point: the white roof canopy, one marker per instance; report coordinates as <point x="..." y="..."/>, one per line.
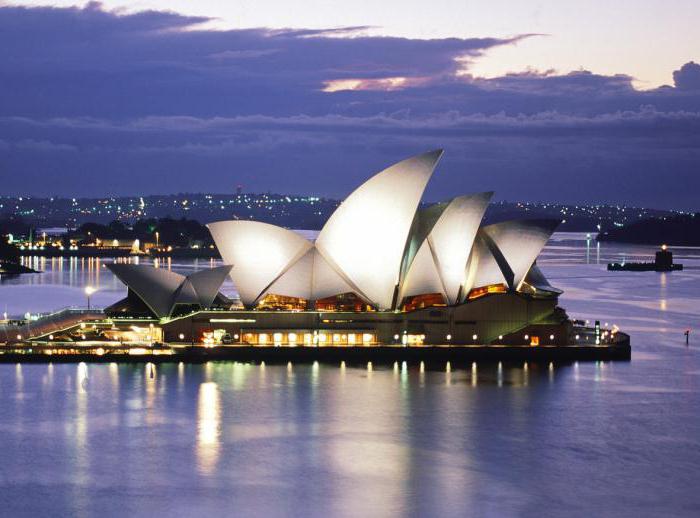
<point x="161" y="290"/>
<point x="378" y="245"/>
<point x="366" y="236"/>
<point x="259" y="253"/>
<point x="441" y="262"/>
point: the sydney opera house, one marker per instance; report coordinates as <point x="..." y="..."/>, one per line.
<point x="383" y="270"/>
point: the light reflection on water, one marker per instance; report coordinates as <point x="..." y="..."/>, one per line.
<point x="208" y="427"/>
<point x="586" y="439"/>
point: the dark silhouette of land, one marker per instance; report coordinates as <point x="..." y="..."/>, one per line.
<point x="682" y="230"/>
<point x="9" y="260"/>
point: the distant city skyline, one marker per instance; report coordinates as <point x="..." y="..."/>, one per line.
<point x="561" y="101"/>
<point x="291" y="211"/>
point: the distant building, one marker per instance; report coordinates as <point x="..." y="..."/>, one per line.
<point x="52" y="231"/>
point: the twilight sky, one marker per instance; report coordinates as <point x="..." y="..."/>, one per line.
<point x="544" y="100"/>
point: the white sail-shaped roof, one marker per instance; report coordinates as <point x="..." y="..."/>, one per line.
<point x="520" y="242"/>
<point x="311" y="278"/>
<point x="162" y="289"/>
<point x="327" y="281"/>
<point x="504" y="252"/>
<point x="442" y="258"/>
<point x="482" y="269"/>
<point x="296" y="281"/>
<point x="536" y="279"/>
<point x="259" y="252"/>
<point x="366" y="236"/>
<point x="380" y="247"/>
<point x="206" y="283"/>
<point x="186" y="294"/>
<point x="423" y="223"/>
<point x="155" y="286"/>
<point x="452" y="237"/>
<point x="423" y="276"/>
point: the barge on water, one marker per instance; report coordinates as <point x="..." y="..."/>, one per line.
<point x="663" y="262"/>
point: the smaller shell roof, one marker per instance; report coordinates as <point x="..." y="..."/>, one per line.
<point x="518" y="243"/>
<point x="161" y="290"/>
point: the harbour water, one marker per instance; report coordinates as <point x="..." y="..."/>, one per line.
<point x="588" y="439"/>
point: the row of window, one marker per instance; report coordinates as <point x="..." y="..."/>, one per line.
<point x="351" y="302"/>
<point x="315" y="338"/>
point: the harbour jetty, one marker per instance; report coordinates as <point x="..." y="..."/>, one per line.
<point x="616" y="349"/>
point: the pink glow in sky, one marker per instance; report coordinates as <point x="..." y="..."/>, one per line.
<point x="645" y="39"/>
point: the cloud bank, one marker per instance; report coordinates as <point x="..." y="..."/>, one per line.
<point x="94" y="102"/>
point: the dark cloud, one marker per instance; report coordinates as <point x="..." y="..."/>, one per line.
<point x="688" y="77"/>
<point x="89" y="61"/>
<point x="97" y="102"/>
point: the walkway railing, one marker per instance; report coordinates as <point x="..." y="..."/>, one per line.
<point x="49" y="323"/>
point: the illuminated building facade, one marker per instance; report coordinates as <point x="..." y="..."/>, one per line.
<point x="381" y="271"/>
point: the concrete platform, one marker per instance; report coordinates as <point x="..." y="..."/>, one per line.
<point x="618" y="350"/>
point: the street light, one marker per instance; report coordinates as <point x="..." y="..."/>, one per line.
<point x="89" y="290"/>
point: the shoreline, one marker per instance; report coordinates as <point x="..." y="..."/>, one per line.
<point x="185" y="253"/>
<point x="10" y="268"/>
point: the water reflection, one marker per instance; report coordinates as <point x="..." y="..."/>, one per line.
<point x="114" y="377"/>
<point x="588" y="249"/>
<point x="47" y="380"/>
<point x="415" y="439"/>
<point x="78" y="437"/>
<point x="525" y="374"/>
<point x="262" y="377"/>
<point x="411" y="439"/>
<point x="150" y="384"/>
<point x="208" y="427"/>
<point x="180" y="376"/>
<point x="19" y="379"/>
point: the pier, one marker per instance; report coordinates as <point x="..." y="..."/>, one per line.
<point x="615" y="348"/>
